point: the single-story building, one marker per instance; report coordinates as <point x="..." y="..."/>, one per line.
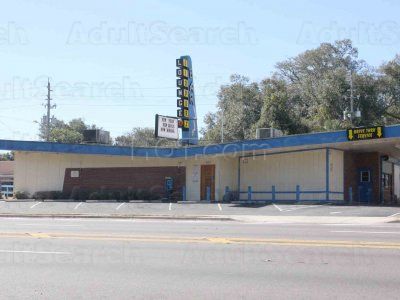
<point x="326" y="166"/>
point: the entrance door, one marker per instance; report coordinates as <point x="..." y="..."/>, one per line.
<point x="364" y="185"/>
<point x="207" y="182"/>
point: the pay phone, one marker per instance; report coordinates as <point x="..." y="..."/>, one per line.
<point x="169" y="187"/>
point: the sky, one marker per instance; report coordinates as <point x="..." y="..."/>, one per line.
<point x="112" y="63"/>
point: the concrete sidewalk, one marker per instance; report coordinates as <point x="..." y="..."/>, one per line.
<point x="232" y="218"/>
<point x="275" y="213"/>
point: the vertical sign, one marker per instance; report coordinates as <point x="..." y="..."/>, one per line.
<point x="186" y="102"/>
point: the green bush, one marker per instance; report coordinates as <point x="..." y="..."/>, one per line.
<point x="104" y="195"/>
<point x="132" y="195"/>
<point x="94" y="196"/>
<point x="124" y="196"/>
<point x="78" y="194"/>
<point x="145" y="195"/>
<point x="83" y="195"/>
<point x="117" y="195"/>
<point x="74" y="194"/>
<point x="42" y="195"/>
<point x="21" y="195"/>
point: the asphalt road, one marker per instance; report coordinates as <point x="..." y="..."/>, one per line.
<point x="185" y="209"/>
<point x="148" y="259"/>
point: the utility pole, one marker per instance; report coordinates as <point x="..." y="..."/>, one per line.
<point x="351" y="97"/>
<point x="222" y="125"/>
<point x="49" y="107"/>
<point x="350" y="115"/>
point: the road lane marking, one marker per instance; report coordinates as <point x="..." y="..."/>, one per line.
<point x="41" y="224"/>
<point x="119" y="206"/>
<point x="34" y="252"/>
<point x="170" y="206"/>
<point x="218" y="240"/>
<point x="79" y="204"/>
<point x="210" y="240"/>
<point x="359" y="231"/>
<point x="39" y="235"/>
<point x="393" y="215"/>
<point x="302" y="207"/>
<point x="335" y="212"/>
<point x="35" y="204"/>
<point x="277" y="207"/>
<point x="219" y="207"/>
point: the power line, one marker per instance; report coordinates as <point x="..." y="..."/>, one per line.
<point x="106" y="96"/>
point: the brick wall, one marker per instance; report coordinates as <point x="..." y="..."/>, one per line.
<point x="352" y="162"/>
<point x="123" y="179"/>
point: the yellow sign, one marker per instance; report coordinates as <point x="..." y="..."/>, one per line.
<point x="182" y="62"/>
<point x="365" y="133"/>
<point x="182" y="93"/>
<point x="182" y="83"/>
<point x="182" y="73"/>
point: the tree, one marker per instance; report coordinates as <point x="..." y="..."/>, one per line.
<point x="142" y="137"/>
<point x="66" y="135"/>
<point x="389" y="90"/>
<point x="8" y="156"/>
<point x="61" y="132"/>
<point x="275" y="112"/>
<point x="239" y="107"/>
<point x="318" y="79"/>
<point x="308" y="92"/>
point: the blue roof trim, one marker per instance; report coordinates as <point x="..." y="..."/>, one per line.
<point x="228" y="148"/>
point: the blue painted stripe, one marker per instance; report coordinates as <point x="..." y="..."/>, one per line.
<point x="294" y="200"/>
<point x="290" y="192"/>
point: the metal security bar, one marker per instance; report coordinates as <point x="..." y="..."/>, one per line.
<point x="298" y="195"/>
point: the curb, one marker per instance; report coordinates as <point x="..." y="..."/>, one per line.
<point x="148" y="217"/>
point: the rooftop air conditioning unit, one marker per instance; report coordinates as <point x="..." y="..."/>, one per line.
<point x="96" y="136"/>
<point x="266" y="133"/>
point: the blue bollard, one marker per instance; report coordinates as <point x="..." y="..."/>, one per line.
<point x="249" y="193"/>
<point x="273" y="194"/>
<point x="297" y="193"/>
<point x="226" y="195"/>
<point x="226" y="190"/>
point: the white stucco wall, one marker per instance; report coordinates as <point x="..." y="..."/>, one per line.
<point x="40" y="171"/>
<point x="336" y="174"/>
<point x="287" y="170"/>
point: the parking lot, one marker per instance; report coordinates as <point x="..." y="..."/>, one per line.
<point x="188" y="209"/>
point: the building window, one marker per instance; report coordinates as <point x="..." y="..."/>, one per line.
<point x="365" y="176"/>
